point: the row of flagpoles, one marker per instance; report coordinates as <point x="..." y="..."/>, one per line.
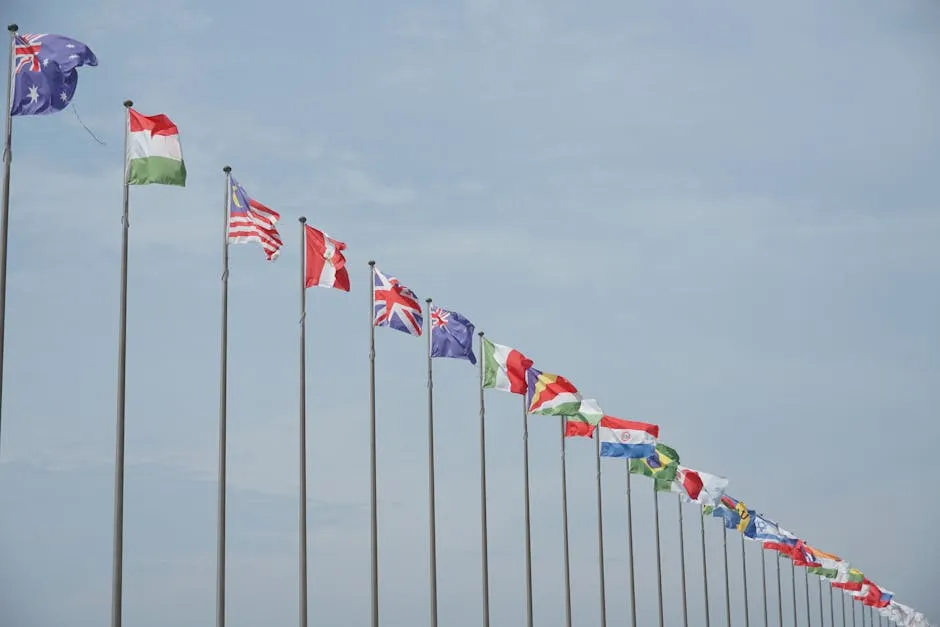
<point x="153" y="155"/>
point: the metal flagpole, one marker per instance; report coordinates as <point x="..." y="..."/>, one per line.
<point x="564" y="526"/>
<point x="779" y="595"/>
<point x="763" y="585"/>
<point x="602" y="580"/>
<point x="659" y="561"/>
<point x="724" y="541"/>
<point x="822" y="615"/>
<point x="705" y="570"/>
<point x="685" y="602"/>
<point x="374" y="523"/>
<point x="852" y="605"/>
<point x="303" y="422"/>
<point x="630" y="547"/>
<point x="843" y="611"/>
<point x="747" y="611"/>
<point x="223" y="401"/>
<point x="117" y="572"/>
<point x="5" y="216"/>
<point x="528" y="523"/>
<point x="809" y="614"/>
<point x="832" y="609"/>
<point x="484" y="548"/>
<point x="793" y="589"/>
<point x="432" y="520"/>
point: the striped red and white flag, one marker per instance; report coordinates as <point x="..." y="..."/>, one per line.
<point x="250" y="221"/>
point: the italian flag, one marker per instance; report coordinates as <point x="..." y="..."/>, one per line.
<point x="153" y="151"/>
<point x="504" y="368"/>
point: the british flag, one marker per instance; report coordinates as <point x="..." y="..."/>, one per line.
<point x="395" y="305"/>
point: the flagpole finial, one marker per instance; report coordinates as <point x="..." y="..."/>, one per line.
<point x="13" y="28"/>
<point x="480" y="333"/>
<point x="227" y="169"/>
<point x="302" y="219"/>
<point x="427" y="300"/>
<point x="128" y="103"/>
<point x="371" y="264"/>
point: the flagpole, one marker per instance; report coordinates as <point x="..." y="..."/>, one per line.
<point x="809" y="619"/>
<point x="705" y="569"/>
<point x="747" y="612"/>
<point x="630" y="547"/>
<point x="303" y="422"/>
<point x="432" y="519"/>
<point x="822" y="612"/>
<point x="843" y="612"/>
<point x="117" y="570"/>
<point x="763" y="585"/>
<point x="602" y="579"/>
<point x="483" y="542"/>
<point x="832" y="609"/>
<point x="659" y="561"/>
<point x="5" y="218"/>
<point x="373" y="503"/>
<point x="852" y="605"/>
<point x="779" y="594"/>
<point x="564" y="526"/>
<point x="793" y="589"/>
<point x="223" y="400"/>
<point x="528" y="523"/>
<point x="724" y="540"/>
<point x="685" y="602"/>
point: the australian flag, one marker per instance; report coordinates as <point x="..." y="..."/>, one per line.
<point x="44" y="72"/>
<point x="451" y="335"/>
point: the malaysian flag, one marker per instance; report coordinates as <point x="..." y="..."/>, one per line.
<point x="396" y="306"/>
<point x="250" y="221"/>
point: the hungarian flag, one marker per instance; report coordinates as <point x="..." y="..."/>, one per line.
<point x="504" y="368"/>
<point x="153" y="151"/>
<point x="325" y="265"/>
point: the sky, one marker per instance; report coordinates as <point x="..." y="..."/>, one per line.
<point x="721" y="219"/>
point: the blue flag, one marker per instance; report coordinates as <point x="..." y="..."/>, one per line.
<point x="451" y="335"/>
<point x="45" y="75"/>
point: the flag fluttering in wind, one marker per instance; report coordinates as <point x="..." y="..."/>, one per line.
<point x="250" y="221"/>
<point x="627" y="438"/>
<point x="850" y="581"/>
<point x="45" y="73"/>
<point x="661" y="466"/>
<point x="396" y="306"/>
<point x="551" y="394"/>
<point x="699" y="487"/>
<point x="504" y="368"/>
<point x="154" y="154"/>
<point x="735" y="514"/>
<point x="451" y="335"/>
<point x="324" y="263"/>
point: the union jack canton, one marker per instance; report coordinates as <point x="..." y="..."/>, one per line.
<point x="396" y="306"/>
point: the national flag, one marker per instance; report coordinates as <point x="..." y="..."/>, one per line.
<point x="44" y="72"/>
<point x="396" y="306"/>
<point x="850" y="581"/>
<point x="250" y="221"/>
<point x="451" y="335"/>
<point x="661" y="466"/>
<point x="504" y="368"/>
<point x="699" y="487"/>
<point x="829" y="564"/>
<point x="734" y="513"/>
<point x="551" y="394"/>
<point x="154" y="154"/>
<point x="583" y="421"/>
<point x="770" y="534"/>
<point x="803" y="555"/>
<point x="626" y="438"/>
<point x="325" y="265"/>
<point x="578" y="428"/>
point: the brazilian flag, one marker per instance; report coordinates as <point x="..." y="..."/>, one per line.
<point x="661" y="466"/>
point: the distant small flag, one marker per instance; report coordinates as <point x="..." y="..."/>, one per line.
<point x="250" y="221"/>
<point x="44" y="71"/>
<point x="396" y="306"/>
<point x="154" y="154"/>
<point x="325" y="264"/>
<point x="451" y="335"/>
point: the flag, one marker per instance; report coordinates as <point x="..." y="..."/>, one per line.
<point x="735" y="514"/>
<point x="153" y="151"/>
<point x="325" y="264"/>
<point x="851" y="580"/>
<point x="44" y="72"/>
<point x="770" y="534"/>
<point x="578" y="428"/>
<point x="451" y="335"/>
<point x="802" y="555"/>
<point x="699" y="487"/>
<point x="250" y="221"/>
<point x="551" y="394"/>
<point x="396" y="306"/>
<point x="504" y="368"/>
<point x="588" y="413"/>
<point x="661" y="466"/>
<point x="626" y="438"/>
<point x="829" y="564"/>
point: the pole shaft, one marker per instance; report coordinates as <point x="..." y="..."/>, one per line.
<point x="484" y="549"/>
<point x="747" y="611"/>
<point x="793" y="589"/>
<point x="432" y="518"/>
<point x="832" y="608"/>
<point x="852" y="605"/>
<point x="705" y="569"/>
<point x="5" y="211"/>
<point x="223" y="415"/>
<point x="724" y="543"/>
<point x="843" y="610"/>
<point x="779" y="594"/>
<point x="566" y="557"/>
<point x="630" y="547"/>
<point x="809" y="619"/>
<point x="659" y="560"/>
<point x="303" y="424"/>
<point x="373" y="496"/>
<point x="763" y="586"/>
<point x="685" y="602"/>
<point x="822" y="614"/>
<point x="528" y="523"/>
<point x="117" y="571"/>
<point x="601" y="574"/>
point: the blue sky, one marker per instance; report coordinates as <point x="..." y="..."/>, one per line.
<point x="720" y="219"/>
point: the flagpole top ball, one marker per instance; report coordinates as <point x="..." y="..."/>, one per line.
<point x="227" y="169"/>
<point x="480" y="333"/>
<point x="427" y="300"/>
<point x="13" y="28"/>
<point x="128" y="103"/>
<point x="371" y="263"/>
<point x="302" y="219"/>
